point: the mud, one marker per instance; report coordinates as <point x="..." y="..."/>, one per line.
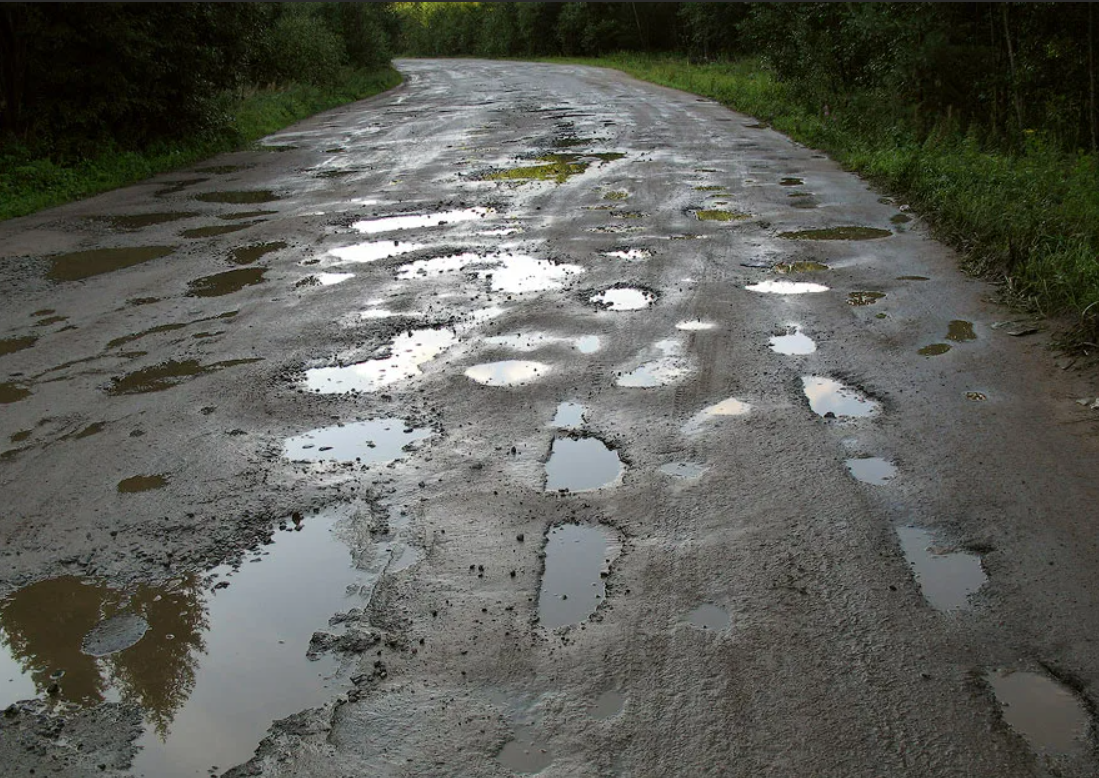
<point x="239" y="197"/>
<point x="230" y="281"/>
<point x="140" y="220"/>
<point x="247" y="255"/>
<point x="11" y="345"/>
<point x="837" y="233"/>
<point x="141" y="483"/>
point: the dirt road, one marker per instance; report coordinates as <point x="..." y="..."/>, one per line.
<point x="596" y="430"/>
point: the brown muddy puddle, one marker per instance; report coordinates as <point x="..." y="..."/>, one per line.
<point x="569" y="415"/>
<point x="122" y="340"/>
<point x="78" y="265"/>
<point x="684" y="470"/>
<point x="138" y="220"/>
<point x="934" y="350"/>
<point x="221" y="170"/>
<point x="167" y="374"/>
<point x="793" y="343"/>
<point x="837" y="233"/>
<point x="578" y="559"/>
<point x="947" y="578"/>
<point x="858" y="299"/>
<point x="831" y="399"/>
<point x="717" y="215"/>
<point x="871" y="470"/>
<point x="509" y="372"/>
<point x="790" y="181"/>
<point x="1046" y="713"/>
<point x="50" y="320"/>
<point x="225" y="283"/>
<point x="786" y="287"/>
<point x="608" y="705"/>
<point x="525" y="754"/>
<point x="407" y="352"/>
<point x="711" y="617"/>
<point x="913" y="278"/>
<point x="214" y="230"/>
<point x="142" y="483"/>
<point x="582" y="463"/>
<point x="800" y="267"/>
<point x="209" y="668"/>
<point x="11" y="345"/>
<point x="623" y="299"/>
<point x="363" y="442"/>
<point x="239" y="197"/>
<point x="246" y="255"/>
<point x="11" y="392"/>
<point x="244" y="215"/>
<point x="960" y="331"/>
<point x="420" y="221"/>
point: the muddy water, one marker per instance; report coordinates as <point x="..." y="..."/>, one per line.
<point x="246" y="255"/>
<point x="830" y="398"/>
<point x="510" y="372"/>
<point x="78" y="265"/>
<point x="1049" y="716"/>
<point x="581" y="464"/>
<point x="166" y="375"/>
<point x="365" y="442"/>
<point x="801" y="267"/>
<point x="11" y="345"/>
<point x="695" y="325"/>
<point x="226" y="283"/>
<point x="214" y="230"/>
<point x="137" y="221"/>
<point x="837" y="233"/>
<point x="407" y="352"/>
<point x="715" y="215"/>
<point x="630" y="255"/>
<point x="11" y="392"/>
<point x="608" y="705"/>
<point x="418" y="221"/>
<point x="934" y="350"/>
<point x="623" y="299"/>
<point x="858" y="299"/>
<point x="239" y="197"/>
<point x="708" y="616"/>
<point x="872" y="470"/>
<point x="578" y="557"/>
<point x="141" y="483"/>
<point x="793" y="343"/>
<point x="946" y="578"/>
<point x="786" y="287"/>
<point x="526" y="753"/>
<point x="244" y="215"/>
<point x="960" y="331"/>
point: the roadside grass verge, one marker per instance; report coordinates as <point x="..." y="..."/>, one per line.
<point x="1028" y="219"/>
<point x="29" y="184"/>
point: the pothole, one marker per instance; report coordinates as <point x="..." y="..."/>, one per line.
<point x="139" y="220"/>
<point x="375" y="250"/>
<point x="239" y="197"/>
<point x="630" y="255"/>
<point x="608" y="705"/>
<point x="78" y="265"/>
<point x="771" y="286"/>
<point x="791" y="181"/>
<point x="946" y="578"/>
<point x="837" y="233"/>
<point x="167" y="374"/>
<point x="623" y="299"/>
<point x="246" y="255"/>
<point x="230" y="281"/>
<point x="1046" y="713"/>
<point x="960" y="331"/>
<point x="685" y="470"/>
<point x="569" y="415"/>
<point x="711" y="617"/>
<point x="577" y="560"/>
<point x="509" y="372"/>
<point x="871" y="470"/>
<point x="142" y="483"/>
<point x="727" y="407"/>
<point x="695" y="325"/>
<point x="793" y="343"/>
<point x="363" y="442"/>
<point x="582" y="463"/>
<point x="11" y="345"/>
<point x="407" y="352"/>
<point x="858" y="299"/>
<point x="420" y="221"/>
<point x="526" y="753"/>
<point x="668" y="369"/>
<point x="717" y="215"/>
<point x="801" y="267"/>
<point x="832" y="399"/>
<point x="214" y="230"/>
<point x="11" y="392"/>
<point x="934" y="350"/>
<point x="325" y="279"/>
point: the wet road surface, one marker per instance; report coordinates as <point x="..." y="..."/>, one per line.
<point x="531" y="419"/>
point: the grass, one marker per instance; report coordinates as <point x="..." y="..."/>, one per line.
<point x="1029" y="219"/>
<point x="28" y="185"/>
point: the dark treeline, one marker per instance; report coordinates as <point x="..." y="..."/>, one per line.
<point x="1000" y="73"/>
<point x="75" y="77"/>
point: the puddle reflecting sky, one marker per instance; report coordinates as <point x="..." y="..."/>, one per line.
<point x="577" y="557"/>
<point x="581" y="464"/>
<point x="569" y="414"/>
<point x="946" y="578"/>
<point x="624" y="299"/>
<point x="631" y="255"/>
<point x="786" y="287"/>
<point x="525" y="754"/>
<point x="408" y="351"/>
<point x="695" y="325"/>
<point x="793" y="343"/>
<point x="369" y="442"/>
<point x="659" y="372"/>
<point x="1046" y="713"/>
<point x="710" y="617"/>
<point x="417" y="221"/>
<point x="608" y="705"/>
<point x="510" y="372"/>
<point x="827" y="395"/>
<point x="872" y="470"/>
<point x="373" y="251"/>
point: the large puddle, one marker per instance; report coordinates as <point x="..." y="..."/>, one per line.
<point x="11" y="345"/>
<point x="947" y="578"/>
<point x="167" y="374"/>
<point x="837" y="233"/>
<point x="786" y="287"/>
<point x="209" y="668"/>
<point x="960" y="331"/>
<point x="11" y="392"/>
<point x="419" y="221"/>
<point x="793" y="343"/>
<point x="246" y="255"/>
<point x="214" y="230"/>
<point x="364" y="442"/>
<point x="510" y="372"/>
<point x="239" y="197"/>
<point x="226" y="283"/>
<point x="872" y="470"/>
<point x="374" y="251"/>
<point x="582" y="463"/>
<point x="831" y="399"/>
<point x="509" y="273"/>
<point x="578" y="559"/>
<point x="624" y="299"/>
<point x="407" y="352"/>
<point x="1049" y="716"/>
<point x="532" y="341"/>
<point x="78" y="265"/>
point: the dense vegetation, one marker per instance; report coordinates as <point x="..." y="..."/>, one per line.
<point x="981" y="115"/>
<point x="96" y="95"/>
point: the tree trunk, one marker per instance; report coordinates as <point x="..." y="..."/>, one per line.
<point x="1092" y="118"/>
<point x="1014" y="76"/>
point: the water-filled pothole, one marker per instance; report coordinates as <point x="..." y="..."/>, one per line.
<point x="142" y="483"/>
<point x="246" y="255"/>
<point x="695" y="325"/>
<point x="946" y="578"/>
<point x="668" y="369"/>
<point x="872" y="470"/>
<point x="417" y="221"/>
<point x="608" y="705"/>
<point x="569" y="415"/>
<point x="1049" y="716"/>
<point x="364" y="442"/>
<point x="526" y="753"/>
<point x="509" y="273"/>
<point x="11" y="345"/>
<point x="78" y="265"/>
<point x="225" y="283"/>
<point x="801" y="267"/>
<point x="582" y="463"/>
<point x="728" y="407"/>
<point x="11" y="392"/>
<point x="325" y="279"/>
<point x="934" y="349"/>
<point x="509" y="372"/>
<point x="375" y="250"/>
<point x="631" y="255"/>
<point x="960" y="331"/>
<point x="167" y="374"/>
<point x="793" y="343"/>
<point x="771" y="286"/>
<point x="214" y="230"/>
<point x="239" y="197"/>
<point x="407" y="352"/>
<point x="837" y="233"/>
<point x="791" y="181"/>
<point x="687" y="470"/>
<point x="623" y="299"/>
<point x="578" y="559"/>
<point x="831" y="399"/>
<point x="707" y="616"/>
<point x="717" y="215"/>
<point x="861" y="298"/>
<point x="138" y="220"/>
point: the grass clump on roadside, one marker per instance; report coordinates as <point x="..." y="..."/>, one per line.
<point x="29" y="184"/>
<point x="1029" y="218"/>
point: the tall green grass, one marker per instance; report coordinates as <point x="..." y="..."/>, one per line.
<point x="30" y="184"/>
<point x="1029" y="219"/>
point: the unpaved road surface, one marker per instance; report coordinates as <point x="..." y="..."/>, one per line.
<point x="510" y="422"/>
